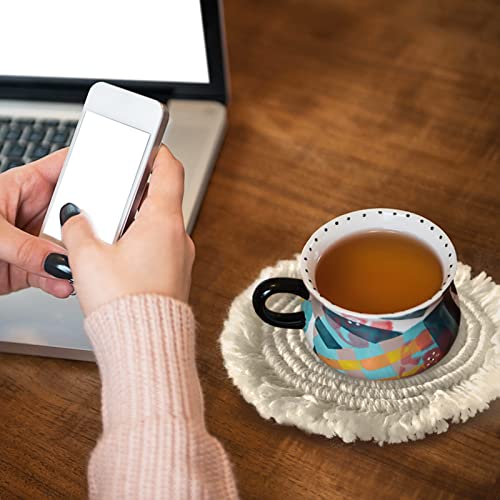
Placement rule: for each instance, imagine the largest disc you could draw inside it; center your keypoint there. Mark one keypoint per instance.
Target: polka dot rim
(361, 220)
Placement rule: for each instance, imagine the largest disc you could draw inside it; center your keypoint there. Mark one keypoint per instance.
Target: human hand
(25, 193)
(155, 255)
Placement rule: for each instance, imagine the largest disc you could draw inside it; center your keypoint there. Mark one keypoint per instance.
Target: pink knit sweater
(154, 442)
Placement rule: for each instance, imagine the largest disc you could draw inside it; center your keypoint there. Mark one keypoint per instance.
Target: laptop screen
(142, 40)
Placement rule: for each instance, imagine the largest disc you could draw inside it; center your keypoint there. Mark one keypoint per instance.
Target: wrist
(145, 349)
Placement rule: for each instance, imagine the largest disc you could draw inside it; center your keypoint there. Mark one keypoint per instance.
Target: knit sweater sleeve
(154, 442)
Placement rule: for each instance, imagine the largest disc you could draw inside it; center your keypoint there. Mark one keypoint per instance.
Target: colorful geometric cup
(370, 346)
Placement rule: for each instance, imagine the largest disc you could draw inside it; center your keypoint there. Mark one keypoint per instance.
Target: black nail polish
(57, 265)
(67, 211)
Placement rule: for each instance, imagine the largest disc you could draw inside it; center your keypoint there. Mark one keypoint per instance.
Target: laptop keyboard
(23, 140)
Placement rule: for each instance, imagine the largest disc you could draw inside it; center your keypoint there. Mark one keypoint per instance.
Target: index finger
(34, 183)
(24, 250)
(166, 186)
(49, 167)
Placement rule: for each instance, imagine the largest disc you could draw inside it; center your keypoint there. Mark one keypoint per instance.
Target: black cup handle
(279, 285)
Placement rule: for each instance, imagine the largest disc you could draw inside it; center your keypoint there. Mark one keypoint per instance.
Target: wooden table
(337, 105)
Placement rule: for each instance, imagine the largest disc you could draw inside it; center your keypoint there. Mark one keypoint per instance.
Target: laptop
(171, 51)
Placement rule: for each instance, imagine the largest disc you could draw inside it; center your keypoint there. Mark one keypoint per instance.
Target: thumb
(77, 232)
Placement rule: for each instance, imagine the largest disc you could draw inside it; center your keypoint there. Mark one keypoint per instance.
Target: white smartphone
(109, 161)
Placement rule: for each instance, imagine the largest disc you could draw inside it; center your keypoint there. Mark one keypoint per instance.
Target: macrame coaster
(278, 373)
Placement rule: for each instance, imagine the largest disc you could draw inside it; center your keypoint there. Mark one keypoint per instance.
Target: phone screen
(99, 175)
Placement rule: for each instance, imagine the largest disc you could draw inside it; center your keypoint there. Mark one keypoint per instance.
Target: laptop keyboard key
(13, 134)
(15, 149)
(49, 123)
(4, 120)
(71, 123)
(39, 151)
(60, 136)
(55, 147)
(22, 122)
(36, 134)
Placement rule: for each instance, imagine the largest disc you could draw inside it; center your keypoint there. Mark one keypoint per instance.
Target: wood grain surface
(337, 105)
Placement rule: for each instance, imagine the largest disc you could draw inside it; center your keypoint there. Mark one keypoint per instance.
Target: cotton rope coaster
(278, 373)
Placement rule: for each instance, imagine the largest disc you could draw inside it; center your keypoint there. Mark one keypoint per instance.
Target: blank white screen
(152, 40)
(99, 175)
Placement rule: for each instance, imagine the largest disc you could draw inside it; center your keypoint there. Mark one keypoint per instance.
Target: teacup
(370, 346)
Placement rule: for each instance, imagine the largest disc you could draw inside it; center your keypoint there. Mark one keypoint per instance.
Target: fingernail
(57, 265)
(67, 211)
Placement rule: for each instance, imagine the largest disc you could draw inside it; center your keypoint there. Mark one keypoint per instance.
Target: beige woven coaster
(278, 373)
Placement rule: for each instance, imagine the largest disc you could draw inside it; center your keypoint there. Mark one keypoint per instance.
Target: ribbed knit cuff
(144, 345)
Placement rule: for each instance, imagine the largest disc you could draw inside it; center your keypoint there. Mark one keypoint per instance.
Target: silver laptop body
(32, 322)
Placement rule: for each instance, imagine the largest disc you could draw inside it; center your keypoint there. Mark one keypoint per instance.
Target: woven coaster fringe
(276, 371)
